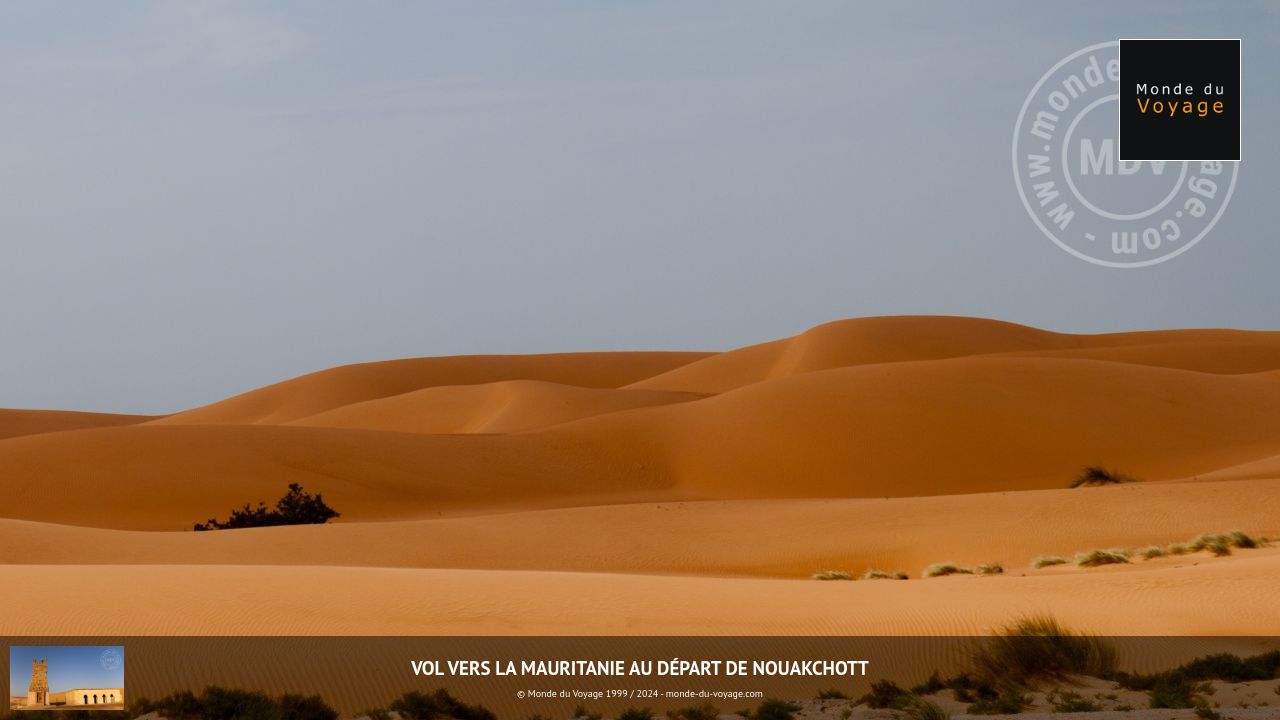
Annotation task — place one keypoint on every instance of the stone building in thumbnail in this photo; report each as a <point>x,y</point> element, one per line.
<point>39,696</point>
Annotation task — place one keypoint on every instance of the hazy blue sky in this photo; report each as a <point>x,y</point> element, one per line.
<point>70,667</point>
<point>199,198</point>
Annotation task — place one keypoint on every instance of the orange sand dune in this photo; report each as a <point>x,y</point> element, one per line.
<point>865,341</point>
<point>1266,467</point>
<point>16,423</point>
<point>651,493</point>
<point>708,538</point>
<point>859,341</point>
<point>328,389</point>
<point>165,477</point>
<point>962,425</point>
<point>1259,353</point>
<point>943,427</point>
<point>274,600</point>
<point>502,407</point>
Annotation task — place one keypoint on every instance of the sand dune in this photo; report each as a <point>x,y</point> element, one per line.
<point>1266,467</point>
<point>266,600</point>
<point>1224,357</point>
<point>966,425</point>
<point>328,389</point>
<point>177,475</point>
<point>17,423</point>
<point>707,538</point>
<point>865,341</point>
<point>860,341</point>
<point>648,493</point>
<point>945,427</point>
<point>502,407</point>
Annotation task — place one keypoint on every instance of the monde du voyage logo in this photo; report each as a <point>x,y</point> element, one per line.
<point>1171,183</point>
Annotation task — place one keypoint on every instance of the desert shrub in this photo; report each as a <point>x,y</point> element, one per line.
<point>1009,702</point>
<point>295,508</point>
<point>1234,669</point>
<point>378,714</point>
<point>1094,475</point>
<point>967,688</point>
<point>636,714</point>
<point>990,569</point>
<point>1039,648</point>
<point>886,694</point>
<point>1242,540</point>
<point>946,568</point>
<point>1045,561</point>
<point>775,710</point>
<point>1173,691</point>
<point>1151,552</point>
<point>832,694</point>
<point>875,574</point>
<point>934,684</point>
<point>695,712</point>
<point>832,575</point>
<point>437,705</point>
<point>224,704</point>
<point>1096,558</point>
<point>217,703</point>
<point>305,707</point>
<point>582,713</point>
<point>1207,713</point>
<point>1066,701</point>
<point>1219,545</point>
<point>926,710</point>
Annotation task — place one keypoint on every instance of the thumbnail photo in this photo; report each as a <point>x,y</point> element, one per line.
<point>66,677</point>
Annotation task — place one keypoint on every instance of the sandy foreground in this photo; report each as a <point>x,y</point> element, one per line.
<point>672,493</point>
<point>292,600</point>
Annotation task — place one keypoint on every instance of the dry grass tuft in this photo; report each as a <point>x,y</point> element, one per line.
<point>876,574</point>
<point>1097,558</point>
<point>1039,648</point>
<point>990,569</point>
<point>943,569</point>
<point>1151,552</point>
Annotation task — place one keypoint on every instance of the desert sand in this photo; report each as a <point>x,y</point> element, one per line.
<point>673,493</point>
<point>16,423</point>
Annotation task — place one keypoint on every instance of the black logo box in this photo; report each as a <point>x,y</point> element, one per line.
<point>1187,66</point>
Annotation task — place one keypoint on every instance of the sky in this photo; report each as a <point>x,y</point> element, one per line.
<point>200,198</point>
<point>70,667</point>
